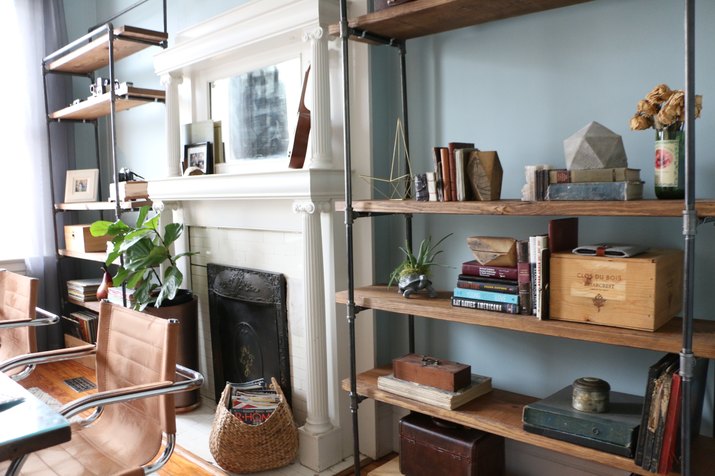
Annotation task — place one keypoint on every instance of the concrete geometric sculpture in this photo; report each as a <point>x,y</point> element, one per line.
<point>594,147</point>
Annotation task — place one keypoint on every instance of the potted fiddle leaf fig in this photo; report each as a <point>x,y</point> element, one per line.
<point>144,247</point>
<point>412,274</point>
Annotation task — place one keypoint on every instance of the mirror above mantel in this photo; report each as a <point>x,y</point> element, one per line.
<point>241,47</point>
<point>257,110</point>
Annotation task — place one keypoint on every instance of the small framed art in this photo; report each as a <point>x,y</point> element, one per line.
<point>81,185</point>
<point>198,156</point>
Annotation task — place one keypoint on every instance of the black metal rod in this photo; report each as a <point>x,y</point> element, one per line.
<point>166,24</point>
<point>354,400</point>
<point>408,172</point>
<point>689,229</point>
<point>128,9</point>
<point>58,274</point>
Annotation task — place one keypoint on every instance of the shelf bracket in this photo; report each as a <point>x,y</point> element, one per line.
<point>359,309</point>
<point>706,220</point>
<point>358,398</point>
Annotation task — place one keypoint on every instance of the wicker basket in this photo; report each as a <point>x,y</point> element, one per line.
<point>242,448</point>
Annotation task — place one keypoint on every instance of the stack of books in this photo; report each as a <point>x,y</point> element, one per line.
<point>488,288</point>
<point>83,289</point>
<point>82,325</point>
<point>657,448</point>
<point>438,397</point>
<point>252,403</point>
<point>595,184</point>
<point>115,296</point>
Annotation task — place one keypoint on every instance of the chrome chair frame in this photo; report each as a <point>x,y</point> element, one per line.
<point>47,319</point>
<point>192,380</point>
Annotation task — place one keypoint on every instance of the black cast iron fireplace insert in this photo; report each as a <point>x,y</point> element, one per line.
<point>249,326</point>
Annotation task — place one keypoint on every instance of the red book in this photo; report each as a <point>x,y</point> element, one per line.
<point>672,427</point>
<point>473,268</point>
<point>451,147</point>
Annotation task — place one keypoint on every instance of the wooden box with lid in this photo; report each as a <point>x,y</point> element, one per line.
<point>641,292</point>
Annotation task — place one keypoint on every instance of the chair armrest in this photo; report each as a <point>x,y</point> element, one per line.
<point>107,397</point>
<point>49,356</point>
<point>47,320</point>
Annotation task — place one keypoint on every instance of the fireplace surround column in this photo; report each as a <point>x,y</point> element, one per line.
<point>319,440</point>
<point>171,84</point>
<point>320,156</point>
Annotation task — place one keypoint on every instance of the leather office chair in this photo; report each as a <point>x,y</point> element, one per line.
<point>136,370</point>
<point>18,308</point>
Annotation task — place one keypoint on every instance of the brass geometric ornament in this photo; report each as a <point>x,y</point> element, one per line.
<point>399,185</point>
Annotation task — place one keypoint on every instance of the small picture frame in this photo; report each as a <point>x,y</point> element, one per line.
<point>81,185</point>
<point>200,156</point>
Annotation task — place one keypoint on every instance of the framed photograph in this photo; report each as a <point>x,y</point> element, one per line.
<point>81,185</point>
<point>198,156</point>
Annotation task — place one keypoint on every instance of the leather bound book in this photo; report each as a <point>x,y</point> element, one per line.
<point>524,276</point>
<point>451,147</point>
<point>672,426</point>
<point>473,268</point>
<point>446,174</point>
<point>444,374</point>
<point>654,371</point>
<point>439,183</point>
<point>563,234</point>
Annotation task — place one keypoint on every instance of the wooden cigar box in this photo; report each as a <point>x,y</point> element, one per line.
<point>78,238</point>
<point>641,292</point>
<point>444,374</point>
<point>429,448</point>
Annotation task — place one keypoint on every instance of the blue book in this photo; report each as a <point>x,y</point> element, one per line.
<point>486,295</point>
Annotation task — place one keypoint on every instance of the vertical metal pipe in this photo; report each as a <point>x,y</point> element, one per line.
<point>49,155</point>
<point>408,171</point>
<point>166,28</point>
<point>689,229</point>
<point>113,143</point>
<point>60,281</point>
<point>354,401</point>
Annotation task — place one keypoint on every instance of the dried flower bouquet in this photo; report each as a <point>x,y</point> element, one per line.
<point>663,108</point>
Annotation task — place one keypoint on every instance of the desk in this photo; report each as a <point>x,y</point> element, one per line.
<point>28,426</point>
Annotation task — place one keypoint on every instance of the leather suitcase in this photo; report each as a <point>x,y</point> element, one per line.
<point>437,448</point>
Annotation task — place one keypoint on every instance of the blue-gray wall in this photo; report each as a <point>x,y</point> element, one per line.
<point>520,86</point>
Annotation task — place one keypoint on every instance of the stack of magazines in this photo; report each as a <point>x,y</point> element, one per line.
<point>253,403</point>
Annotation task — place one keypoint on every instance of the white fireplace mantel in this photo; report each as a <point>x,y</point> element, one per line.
<point>268,185</point>
<point>266,195</point>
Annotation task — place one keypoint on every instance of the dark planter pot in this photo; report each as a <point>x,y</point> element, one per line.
<point>185,310</point>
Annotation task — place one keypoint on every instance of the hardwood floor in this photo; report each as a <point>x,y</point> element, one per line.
<point>51,379</point>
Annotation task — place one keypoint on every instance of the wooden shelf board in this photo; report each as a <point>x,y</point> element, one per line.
<point>95,54</point>
<point>666,339</point>
<point>129,205</point>
<point>512,207</point>
<point>99,106</point>
<point>99,256</point>
<point>91,305</point>
<point>499,412</point>
<point>426,17</point>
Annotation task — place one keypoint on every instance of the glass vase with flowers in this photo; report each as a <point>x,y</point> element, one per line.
<point>663,109</point>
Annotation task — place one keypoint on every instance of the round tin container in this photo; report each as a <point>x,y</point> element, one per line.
<point>590,394</point>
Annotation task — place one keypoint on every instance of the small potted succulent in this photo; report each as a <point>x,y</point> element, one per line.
<point>412,274</point>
